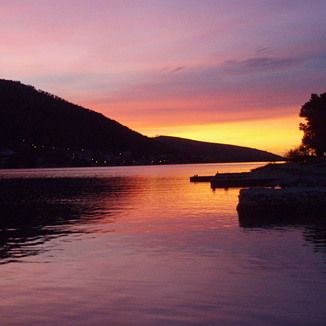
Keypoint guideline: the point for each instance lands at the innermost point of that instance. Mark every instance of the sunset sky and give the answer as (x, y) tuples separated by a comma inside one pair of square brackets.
[(226, 71)]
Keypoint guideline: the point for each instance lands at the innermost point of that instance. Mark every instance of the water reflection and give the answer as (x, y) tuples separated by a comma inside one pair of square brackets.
[(314, 233), (132, 248), (35, 210)]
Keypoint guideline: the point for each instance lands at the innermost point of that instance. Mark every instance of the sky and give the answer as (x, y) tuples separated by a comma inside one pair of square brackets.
[(225, 71)]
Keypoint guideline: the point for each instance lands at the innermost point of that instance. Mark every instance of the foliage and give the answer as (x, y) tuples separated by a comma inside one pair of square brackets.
[(299, 153), (314, 112)]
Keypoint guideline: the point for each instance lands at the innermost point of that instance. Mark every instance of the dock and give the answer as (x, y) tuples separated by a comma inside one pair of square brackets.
[(283, 175), (238, 180), (201, 178), (233, 180)]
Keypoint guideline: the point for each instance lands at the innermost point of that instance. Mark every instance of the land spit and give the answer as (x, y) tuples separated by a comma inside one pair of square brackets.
[(297, 194), (279, 192)]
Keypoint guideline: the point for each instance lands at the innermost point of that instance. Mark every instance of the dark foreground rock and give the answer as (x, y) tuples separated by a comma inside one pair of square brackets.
[(288, 205)]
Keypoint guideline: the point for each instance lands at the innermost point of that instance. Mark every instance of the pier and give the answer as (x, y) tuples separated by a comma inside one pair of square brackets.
[(234, 180)]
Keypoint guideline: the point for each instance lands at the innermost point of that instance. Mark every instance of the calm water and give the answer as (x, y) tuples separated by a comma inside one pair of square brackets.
[(144, 246)]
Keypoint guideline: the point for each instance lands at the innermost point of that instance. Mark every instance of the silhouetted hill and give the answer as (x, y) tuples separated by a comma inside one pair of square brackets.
[(214, 152), (34, 118), (40, 117), (38, 129)]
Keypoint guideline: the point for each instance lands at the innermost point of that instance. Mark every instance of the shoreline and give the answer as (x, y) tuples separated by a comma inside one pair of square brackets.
[(297, 195)]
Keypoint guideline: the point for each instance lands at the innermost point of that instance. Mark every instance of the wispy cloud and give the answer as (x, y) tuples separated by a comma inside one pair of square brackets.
[(179, 68), (261, 64), (264, 50), (169, 62)]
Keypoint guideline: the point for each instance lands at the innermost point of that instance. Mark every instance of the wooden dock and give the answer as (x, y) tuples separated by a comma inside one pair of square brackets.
[(240, 182), (201, 178), (234, 180)]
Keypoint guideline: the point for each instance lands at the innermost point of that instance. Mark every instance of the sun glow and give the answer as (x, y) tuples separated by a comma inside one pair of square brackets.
[(274, 135), (215, 71)]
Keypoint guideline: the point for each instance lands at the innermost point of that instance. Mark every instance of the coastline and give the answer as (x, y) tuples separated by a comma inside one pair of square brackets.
[(297, 195)]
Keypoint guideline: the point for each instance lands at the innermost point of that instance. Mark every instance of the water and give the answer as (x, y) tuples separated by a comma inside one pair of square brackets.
[(144, 246)]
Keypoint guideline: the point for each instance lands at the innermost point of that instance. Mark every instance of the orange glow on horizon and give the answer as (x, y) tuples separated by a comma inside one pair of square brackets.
[(218, 71), (255, 129), (273, 135)]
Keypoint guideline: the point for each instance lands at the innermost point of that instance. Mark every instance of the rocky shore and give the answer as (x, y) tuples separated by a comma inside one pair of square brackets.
[(297, 194), (305, 174)]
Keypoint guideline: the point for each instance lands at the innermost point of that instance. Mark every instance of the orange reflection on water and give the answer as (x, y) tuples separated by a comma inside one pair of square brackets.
[(158, 205), (144, 246)]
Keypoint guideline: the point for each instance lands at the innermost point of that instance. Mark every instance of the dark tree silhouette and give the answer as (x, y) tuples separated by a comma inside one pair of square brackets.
[(314, 112)]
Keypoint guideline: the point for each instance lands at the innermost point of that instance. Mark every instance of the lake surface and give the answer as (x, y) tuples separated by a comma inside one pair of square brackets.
[(144, 246)]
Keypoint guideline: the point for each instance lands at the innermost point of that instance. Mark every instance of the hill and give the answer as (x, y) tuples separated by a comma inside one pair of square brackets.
[(38, 126), (38, 129), (199, 151)]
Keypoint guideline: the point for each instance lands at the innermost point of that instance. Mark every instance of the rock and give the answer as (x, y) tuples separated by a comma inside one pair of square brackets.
[(288, 205)]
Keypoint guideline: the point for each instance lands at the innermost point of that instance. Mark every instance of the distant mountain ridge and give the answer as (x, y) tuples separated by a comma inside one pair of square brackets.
[(38, 129), (215, 152)]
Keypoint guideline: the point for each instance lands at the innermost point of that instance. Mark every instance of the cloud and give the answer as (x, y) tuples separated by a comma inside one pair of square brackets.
[(254, 88), (169, 62), (263, 50), (179, 68), (232, 78), (261, 64)]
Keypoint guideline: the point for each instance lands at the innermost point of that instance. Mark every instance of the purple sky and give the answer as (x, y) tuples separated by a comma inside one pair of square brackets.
[(222, 71)]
